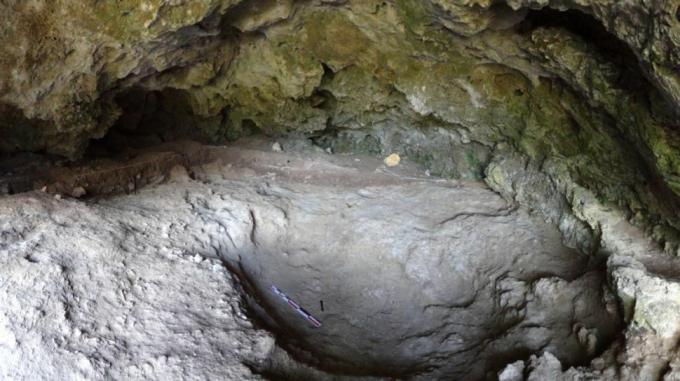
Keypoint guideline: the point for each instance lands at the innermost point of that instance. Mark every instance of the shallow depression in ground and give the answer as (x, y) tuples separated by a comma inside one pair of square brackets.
[(420, 277), (416, 274)]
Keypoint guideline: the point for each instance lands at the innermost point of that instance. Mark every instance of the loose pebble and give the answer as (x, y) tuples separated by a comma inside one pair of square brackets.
[(78, 192), (392, 160)]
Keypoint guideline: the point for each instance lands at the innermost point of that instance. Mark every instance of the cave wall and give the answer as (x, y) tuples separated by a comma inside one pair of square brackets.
[(568, 108), (459, 86)]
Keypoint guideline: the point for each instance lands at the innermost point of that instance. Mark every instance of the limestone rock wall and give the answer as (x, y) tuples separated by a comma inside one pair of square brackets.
[(451, 84)]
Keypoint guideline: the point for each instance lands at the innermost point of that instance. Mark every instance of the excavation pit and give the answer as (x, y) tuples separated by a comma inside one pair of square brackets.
[(419, 277)]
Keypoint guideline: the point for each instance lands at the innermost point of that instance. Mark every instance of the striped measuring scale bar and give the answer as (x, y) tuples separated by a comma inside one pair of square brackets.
[(301, 311)]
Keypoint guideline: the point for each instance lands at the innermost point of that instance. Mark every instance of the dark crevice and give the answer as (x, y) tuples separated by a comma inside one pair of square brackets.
[(587, 27), (631, 79), (324, 99), (151, 118)]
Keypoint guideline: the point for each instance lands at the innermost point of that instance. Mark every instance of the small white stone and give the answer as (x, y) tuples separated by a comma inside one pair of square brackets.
[(78, 192), (392, 160), (512, 372), (276, 147)]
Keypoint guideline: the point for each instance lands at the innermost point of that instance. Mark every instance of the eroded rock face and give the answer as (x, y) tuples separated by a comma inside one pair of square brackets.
[(445, 82), (63, 62), (420, 278), (649, 351), (95, 292), (567, 109)]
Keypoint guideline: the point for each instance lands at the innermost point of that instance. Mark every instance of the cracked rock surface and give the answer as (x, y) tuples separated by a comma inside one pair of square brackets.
[(419, 277), (95, 292)]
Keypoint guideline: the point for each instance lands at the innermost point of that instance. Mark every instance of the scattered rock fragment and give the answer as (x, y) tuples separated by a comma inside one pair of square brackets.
[(512, 372), (392, 160), (78, 192), (179, 173)]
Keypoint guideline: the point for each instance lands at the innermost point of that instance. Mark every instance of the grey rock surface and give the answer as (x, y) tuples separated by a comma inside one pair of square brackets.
[(97, 292), (420, 277)]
